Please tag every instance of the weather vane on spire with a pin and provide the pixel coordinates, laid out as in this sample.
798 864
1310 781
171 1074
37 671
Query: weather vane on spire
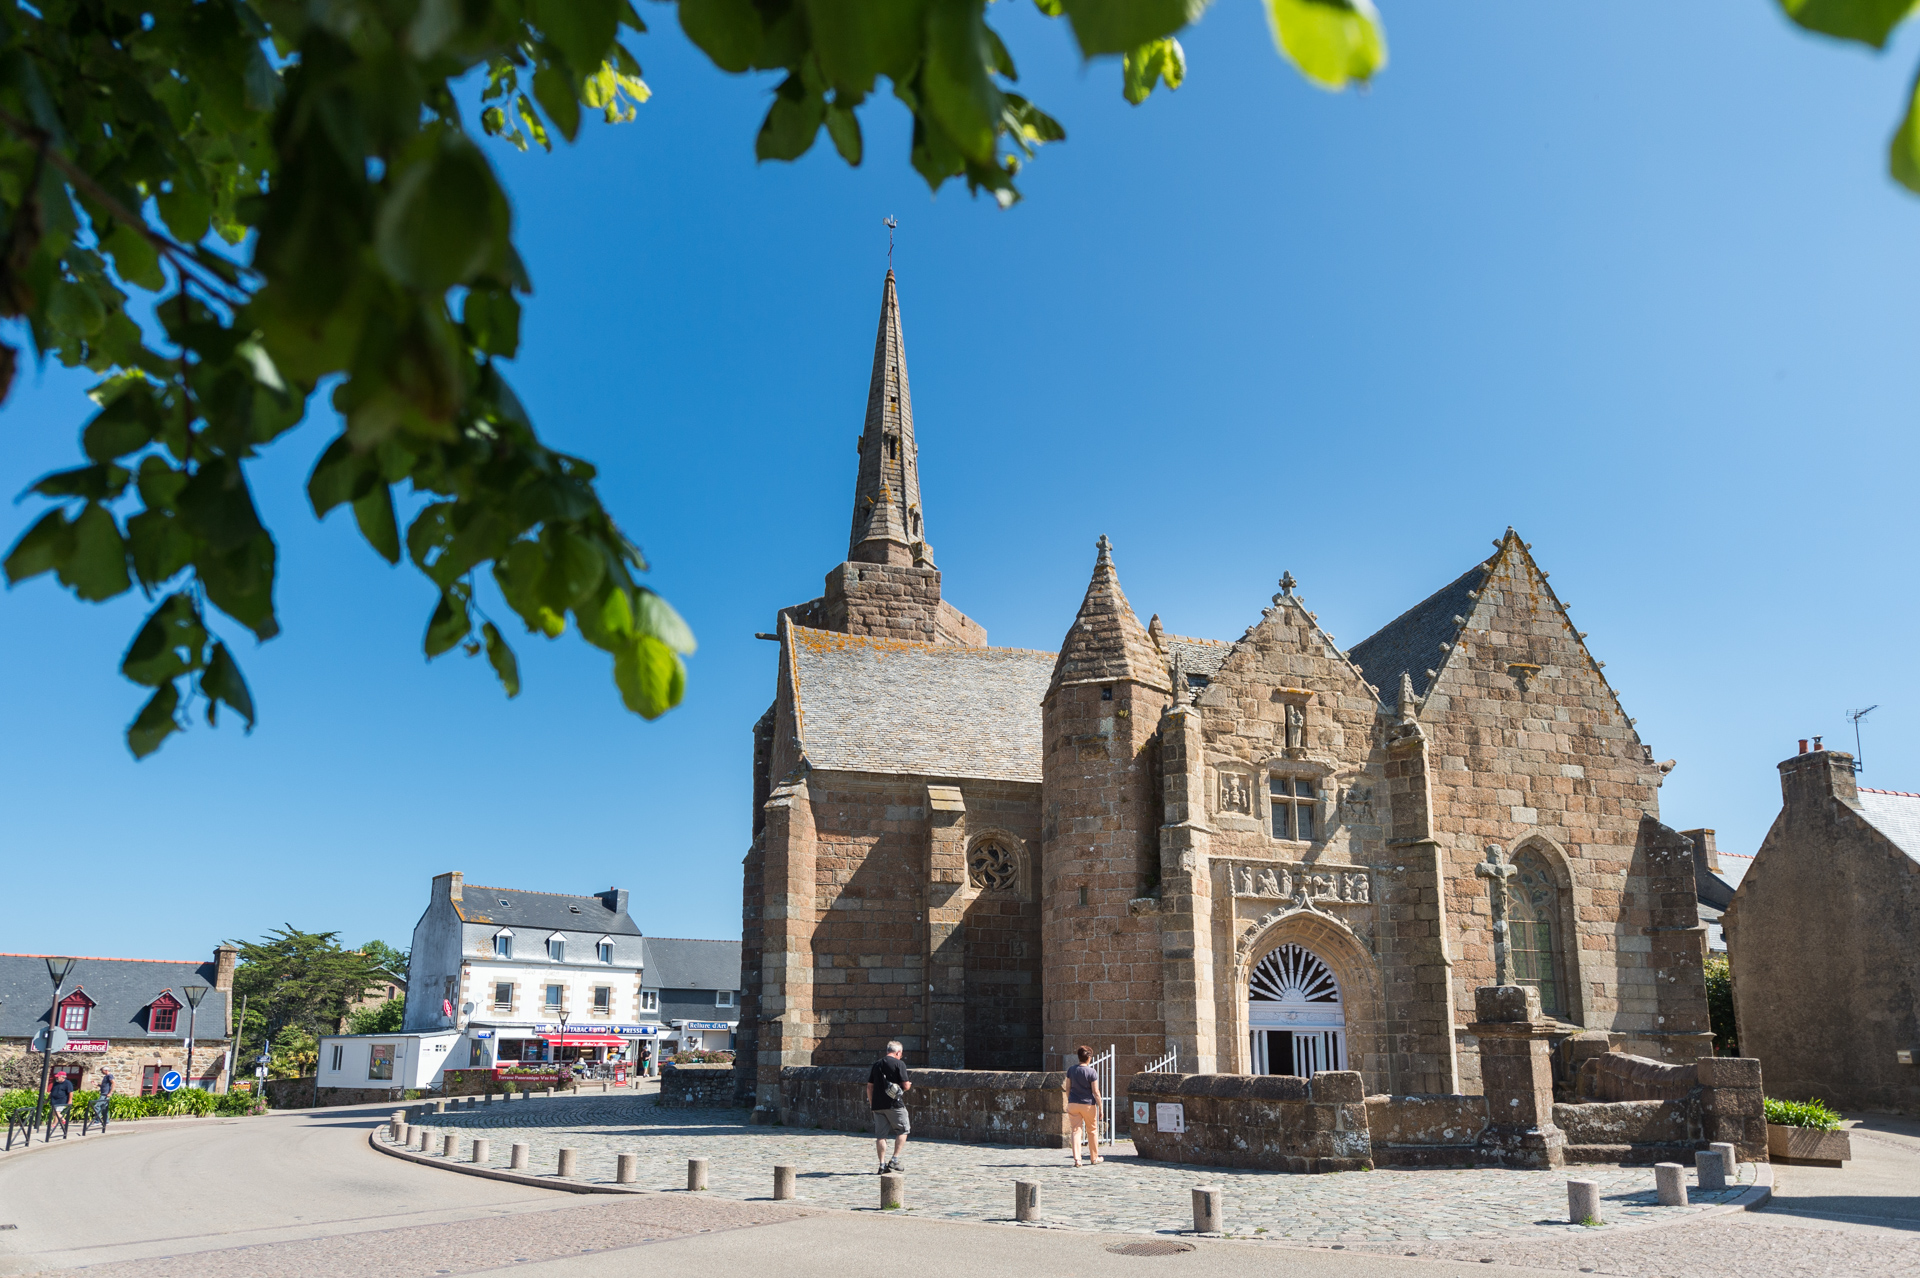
892 224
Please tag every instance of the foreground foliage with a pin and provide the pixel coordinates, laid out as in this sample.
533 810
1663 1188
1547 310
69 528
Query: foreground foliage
1810 1113
1872 23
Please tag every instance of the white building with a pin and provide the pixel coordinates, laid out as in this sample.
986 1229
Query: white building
353 1064
528 977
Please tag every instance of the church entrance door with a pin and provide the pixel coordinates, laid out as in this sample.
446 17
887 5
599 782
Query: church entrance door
1294 1014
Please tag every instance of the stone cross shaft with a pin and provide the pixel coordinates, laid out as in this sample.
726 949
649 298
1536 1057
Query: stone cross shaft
1495 870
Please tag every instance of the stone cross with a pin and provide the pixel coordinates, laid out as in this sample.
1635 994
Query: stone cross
1287 583
1497 872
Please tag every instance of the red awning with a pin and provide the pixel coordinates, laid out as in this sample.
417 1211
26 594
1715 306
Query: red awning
584 1040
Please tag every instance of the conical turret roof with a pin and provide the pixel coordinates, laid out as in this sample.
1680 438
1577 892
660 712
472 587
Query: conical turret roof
1107 643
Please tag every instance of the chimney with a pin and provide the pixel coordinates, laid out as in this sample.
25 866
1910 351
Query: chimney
616 899
225 957
1818 776
1703 848
454 880
1803 745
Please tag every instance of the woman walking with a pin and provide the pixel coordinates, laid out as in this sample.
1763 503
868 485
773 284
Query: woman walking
1083 1105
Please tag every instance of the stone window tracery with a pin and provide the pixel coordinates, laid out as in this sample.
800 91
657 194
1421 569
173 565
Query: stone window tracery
991 867
1533 910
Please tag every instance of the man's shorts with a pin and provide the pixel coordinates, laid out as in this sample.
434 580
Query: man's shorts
890 1122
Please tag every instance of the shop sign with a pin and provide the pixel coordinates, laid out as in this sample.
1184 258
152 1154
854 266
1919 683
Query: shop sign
86 1045
545 1029
707 1025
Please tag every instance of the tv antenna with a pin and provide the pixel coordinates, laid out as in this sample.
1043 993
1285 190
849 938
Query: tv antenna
1857 715
892 224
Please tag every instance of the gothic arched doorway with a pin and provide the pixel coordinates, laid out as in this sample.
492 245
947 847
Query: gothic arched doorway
1294 1014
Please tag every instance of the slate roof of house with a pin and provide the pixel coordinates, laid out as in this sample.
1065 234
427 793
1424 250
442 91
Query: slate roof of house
1410 643
121 989
865 704
1896 814
1197 656
544 911
675 963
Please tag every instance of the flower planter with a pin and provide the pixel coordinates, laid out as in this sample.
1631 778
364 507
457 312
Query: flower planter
1807 1145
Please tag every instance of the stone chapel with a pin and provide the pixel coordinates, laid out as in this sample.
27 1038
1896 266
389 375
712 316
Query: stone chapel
1269 854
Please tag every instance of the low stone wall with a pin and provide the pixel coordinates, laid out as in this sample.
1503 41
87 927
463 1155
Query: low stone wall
1619 1076
1271 1121
349 1096
987 1106
1637 1133
698 1086
297 1093
1426 1131
1730 1104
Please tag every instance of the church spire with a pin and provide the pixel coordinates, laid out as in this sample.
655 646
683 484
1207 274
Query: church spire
1107 643
887 526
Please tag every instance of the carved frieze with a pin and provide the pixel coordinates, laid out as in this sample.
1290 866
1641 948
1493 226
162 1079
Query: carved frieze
1235 794
1319 884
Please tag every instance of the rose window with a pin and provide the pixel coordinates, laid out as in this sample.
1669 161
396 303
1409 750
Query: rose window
993 867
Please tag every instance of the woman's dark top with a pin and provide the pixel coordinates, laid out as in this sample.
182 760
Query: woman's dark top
1081 1080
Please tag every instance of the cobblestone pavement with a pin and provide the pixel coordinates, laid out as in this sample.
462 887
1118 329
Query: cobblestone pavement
1125 1195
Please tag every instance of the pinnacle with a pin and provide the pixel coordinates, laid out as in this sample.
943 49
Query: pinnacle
1107 643
887 519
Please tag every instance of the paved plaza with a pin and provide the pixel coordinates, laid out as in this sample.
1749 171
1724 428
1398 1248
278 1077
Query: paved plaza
1127 1194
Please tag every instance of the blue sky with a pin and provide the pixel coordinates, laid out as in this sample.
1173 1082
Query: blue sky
1629 278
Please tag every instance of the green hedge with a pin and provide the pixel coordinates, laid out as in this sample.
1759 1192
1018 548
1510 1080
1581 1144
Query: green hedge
188 1101
1811 1113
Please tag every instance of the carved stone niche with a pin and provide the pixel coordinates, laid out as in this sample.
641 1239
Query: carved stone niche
1233 792
1292 735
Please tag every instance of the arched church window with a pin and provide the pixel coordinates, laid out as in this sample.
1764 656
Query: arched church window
1533 907
993 867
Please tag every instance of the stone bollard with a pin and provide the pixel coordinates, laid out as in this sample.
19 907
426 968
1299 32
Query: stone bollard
569 1163
1207 1210
448 1144
783 1180
1026 1200
481 1150
1670 1184
1730 1152
1583 1202
893 1191
1711 1169
397 1116
424 1136
548 1093
492 1097
440 1106
627 1169
517 1160
696 1173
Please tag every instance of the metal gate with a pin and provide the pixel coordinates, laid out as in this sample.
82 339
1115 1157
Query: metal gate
1103 1070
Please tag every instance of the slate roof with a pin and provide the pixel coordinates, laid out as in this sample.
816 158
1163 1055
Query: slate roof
865 704
1896 814
1197 656
120 990
1410 643
675 963
544 911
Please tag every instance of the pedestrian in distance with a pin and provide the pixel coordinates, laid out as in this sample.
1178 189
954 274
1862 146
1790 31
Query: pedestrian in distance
60 1094
1083 1105
887 1088
104 1105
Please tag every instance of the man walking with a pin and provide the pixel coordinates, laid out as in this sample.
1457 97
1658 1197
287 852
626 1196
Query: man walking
103 1106
887 1088
59 1094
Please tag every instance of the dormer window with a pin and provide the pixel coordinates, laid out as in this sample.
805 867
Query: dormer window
604 950
163 1014
557 948
75 1009
503 943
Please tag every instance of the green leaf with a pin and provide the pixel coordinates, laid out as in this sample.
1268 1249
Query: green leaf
135 258
221 682
1868 21
519 573
450 622
844 128
47 543
558 99
581 29
492 318
217 505
1157 60
792 122
339 476
127 424
96 566
75 309
575 567
156 722
728 31
169 644
1903 153
654 616
1121 26
650 676
240 583
160 545
446 219
1332 42
95 483
502 659
858 40
959 92
186 212
374 514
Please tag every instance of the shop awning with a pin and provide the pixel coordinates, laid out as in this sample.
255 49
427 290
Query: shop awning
584 1040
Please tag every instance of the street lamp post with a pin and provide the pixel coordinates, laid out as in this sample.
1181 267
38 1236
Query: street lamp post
194 994
57 969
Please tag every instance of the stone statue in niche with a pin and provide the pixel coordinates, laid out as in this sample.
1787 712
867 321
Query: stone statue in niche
1296 727
1362 891
1245 881
1236 793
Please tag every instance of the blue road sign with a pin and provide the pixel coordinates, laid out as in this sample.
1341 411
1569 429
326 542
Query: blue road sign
170 1081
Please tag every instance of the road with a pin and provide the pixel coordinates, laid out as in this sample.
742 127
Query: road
300 1194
